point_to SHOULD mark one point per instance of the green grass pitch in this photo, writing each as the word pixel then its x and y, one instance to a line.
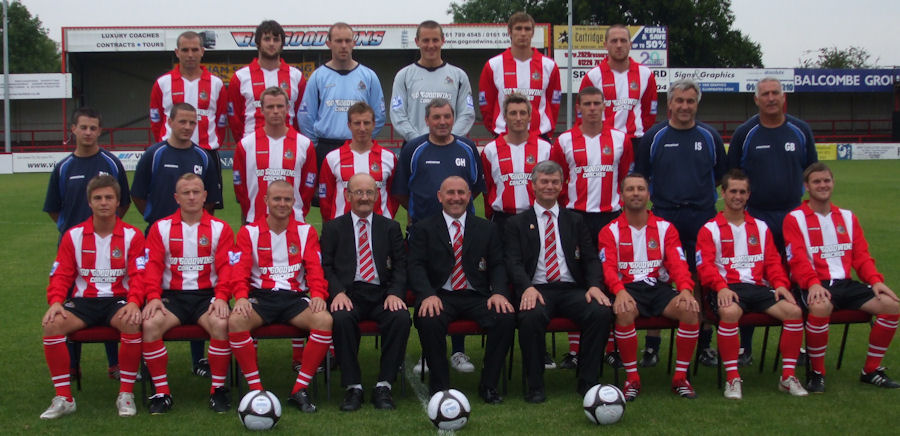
pixel 28 248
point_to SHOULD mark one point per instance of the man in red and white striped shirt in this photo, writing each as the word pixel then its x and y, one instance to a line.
pixel 186 283
pixel 360 154
pixel 102 262
pixel 508 161
pixel 274 152
pixel 737 258
pixel 268 69
pixel 629 88
pixel 278 278
pixel 823 243
pixel 641 254
pixel 523 70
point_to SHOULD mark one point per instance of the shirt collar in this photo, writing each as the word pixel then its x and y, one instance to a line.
pixel 449 219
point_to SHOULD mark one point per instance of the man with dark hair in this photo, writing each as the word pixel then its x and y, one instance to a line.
pixel 449 286
pixel 738 261
pixel 823 242
pixel 333 88
pixel 553 265
pixel 430 77
pixel 524 70
pixel 268 69
pixel 163 163
pixel 360 154
pixel 373 287
pixel 101 261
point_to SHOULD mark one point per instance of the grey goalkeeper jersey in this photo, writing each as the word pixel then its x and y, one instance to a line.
pixel 415 86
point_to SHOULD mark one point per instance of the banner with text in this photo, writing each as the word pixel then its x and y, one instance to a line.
pixel 37 86
pixel 727 79
pixel 821 80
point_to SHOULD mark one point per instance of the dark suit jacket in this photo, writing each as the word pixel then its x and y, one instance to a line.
pixel 522 242
pixel 339 254
pixel 431 256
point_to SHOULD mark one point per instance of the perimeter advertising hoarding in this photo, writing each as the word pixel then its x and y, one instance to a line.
pixel 384 37
pixel 822 80
pixel 38 86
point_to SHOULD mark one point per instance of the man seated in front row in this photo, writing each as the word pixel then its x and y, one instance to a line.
pixel 553 265
pixel 640 253
pixel 737 258
pixel 456 271
pixel 822 243
pixel 102 261
pixel 186 283
pixel 278 278
pixel 372 288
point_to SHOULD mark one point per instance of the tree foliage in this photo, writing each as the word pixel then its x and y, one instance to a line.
pixel 838 58
pixel 700 31
pixel 30 49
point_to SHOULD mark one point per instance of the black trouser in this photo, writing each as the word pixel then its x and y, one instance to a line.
pixel 566 300
pixel 368 304
pixel 596 221
pixel 466 304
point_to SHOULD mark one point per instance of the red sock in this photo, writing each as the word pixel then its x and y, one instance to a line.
pixel 156 358
pixel 574 342
pixel 57 355
pixel 816 342
pixel 729 342
pixel 297 349
pixel 611 343
pixel 791 339
pixel 313 353
pixel 685 342
pixel 245 353
pixel 129 360
pixel 879 339
pixel 626 337
pixel 219 358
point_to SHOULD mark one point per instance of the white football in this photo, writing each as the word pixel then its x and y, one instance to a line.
pixel 259 410
pixel 604 404
pixel 449 410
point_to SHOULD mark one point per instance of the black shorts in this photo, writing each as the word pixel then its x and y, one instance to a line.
pixel 596 221
pixel 278 306
pixel 95 311
pixel 651 300
pixel 188 306
pixel 751 298
pixel 845 294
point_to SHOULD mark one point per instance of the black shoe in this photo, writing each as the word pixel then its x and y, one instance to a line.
pixel 708 357
pixel 570 361
pixel 745 359
pixel 352 400
pixel 613 359
pixel 220 400
pixel 548 362
pixel 650 358
pixel 535 396
pixel 160 404
pixel 878 378
pixel 815 383
pixel 382 399
pixel 333 366
pixel 583 386
pixel 295 365
pixel 201 368
pixel 489 395
pixel 302 401
pixel 803 358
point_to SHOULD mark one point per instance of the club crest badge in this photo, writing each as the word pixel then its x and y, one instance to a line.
pixel 606 150
pixel 536 75
pixel 292 249
pixel 632 85
pixel 284 85
pixel 652 244
pixel 361 86
pixel 448 80
pixel 203 96
pixel 375 167
pixel 840 229
pixel 482 264
pixel 116 253
pixel 204 241
pixel 529 159
pixel 753 240
pixel 288 154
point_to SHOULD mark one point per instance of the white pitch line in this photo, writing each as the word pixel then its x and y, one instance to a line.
pixel 421 392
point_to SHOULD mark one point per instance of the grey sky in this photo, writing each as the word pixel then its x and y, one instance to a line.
pixel 784 29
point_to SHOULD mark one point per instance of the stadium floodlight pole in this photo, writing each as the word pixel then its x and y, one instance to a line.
pixel 6 131
pixel 571 73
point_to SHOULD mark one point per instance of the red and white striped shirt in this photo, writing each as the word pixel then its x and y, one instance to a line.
pixel 260 159
pixel 341 164
pixel 727 254
pixel 248 83
pixel 206 94
pixel 507 173
pixel 185 257
pixel 289 261
pixel 536 78
pixel 650 254
pixel 109 266
pixel 593 168
pixel 824 247
pixel 631 100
